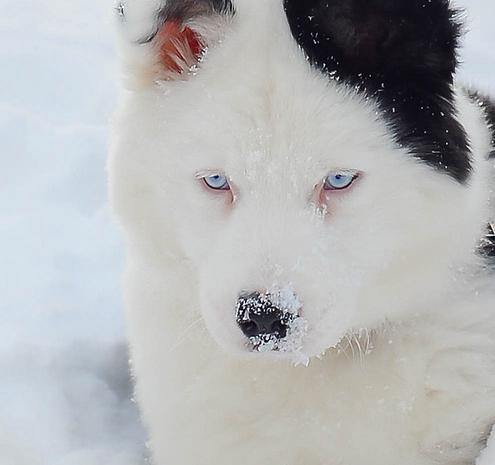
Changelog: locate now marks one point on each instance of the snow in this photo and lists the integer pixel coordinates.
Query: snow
(65, 393)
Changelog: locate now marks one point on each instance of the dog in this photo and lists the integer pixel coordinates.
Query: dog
(306, 194)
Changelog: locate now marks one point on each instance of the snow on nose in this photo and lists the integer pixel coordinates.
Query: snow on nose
(271, 320)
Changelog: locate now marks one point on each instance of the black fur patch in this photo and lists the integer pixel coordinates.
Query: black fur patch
(401, 53)
(184, 10)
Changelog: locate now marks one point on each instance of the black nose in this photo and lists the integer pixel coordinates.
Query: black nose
(256, 316)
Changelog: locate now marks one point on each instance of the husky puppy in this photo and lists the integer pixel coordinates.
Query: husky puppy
(305, 191)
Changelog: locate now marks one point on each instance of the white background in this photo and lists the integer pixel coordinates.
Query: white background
(64, 392)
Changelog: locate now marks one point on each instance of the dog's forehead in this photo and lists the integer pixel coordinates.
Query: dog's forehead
(301, 128)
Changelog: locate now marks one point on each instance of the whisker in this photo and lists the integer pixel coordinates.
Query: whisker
(368, 341)
(349, 340)
(358, 344)
(182, 338)
(343, 349)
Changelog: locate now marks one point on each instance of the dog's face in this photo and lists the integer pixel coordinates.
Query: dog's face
(317, 188)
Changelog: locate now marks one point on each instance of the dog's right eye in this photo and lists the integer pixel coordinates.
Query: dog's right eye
(339, 180)
(217, 182)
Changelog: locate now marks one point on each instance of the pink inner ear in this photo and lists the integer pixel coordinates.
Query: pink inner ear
(179, 46)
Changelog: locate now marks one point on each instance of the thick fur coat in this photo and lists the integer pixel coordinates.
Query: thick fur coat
(394, 360)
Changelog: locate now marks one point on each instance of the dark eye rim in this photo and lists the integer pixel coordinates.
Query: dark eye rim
(329, 187)
(224, 187)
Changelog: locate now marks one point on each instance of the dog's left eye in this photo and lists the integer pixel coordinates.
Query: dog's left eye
(339, 180)
(217, 182)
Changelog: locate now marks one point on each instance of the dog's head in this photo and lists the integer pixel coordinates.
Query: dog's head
(306, 158)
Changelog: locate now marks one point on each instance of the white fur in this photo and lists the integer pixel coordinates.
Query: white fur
(401, 333)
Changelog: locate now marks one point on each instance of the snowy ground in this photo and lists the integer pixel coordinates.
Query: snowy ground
(65, 397)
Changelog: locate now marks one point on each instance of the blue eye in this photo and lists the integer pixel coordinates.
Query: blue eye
(339, 180)
(217, 182)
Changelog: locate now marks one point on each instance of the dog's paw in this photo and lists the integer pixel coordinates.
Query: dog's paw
(167, 39)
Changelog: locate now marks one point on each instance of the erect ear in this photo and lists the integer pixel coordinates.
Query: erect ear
(386, 41)
(166, 40)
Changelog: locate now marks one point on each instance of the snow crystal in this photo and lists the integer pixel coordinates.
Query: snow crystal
(285, 299)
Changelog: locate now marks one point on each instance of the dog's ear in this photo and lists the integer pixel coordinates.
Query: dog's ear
(384, 41)
(166, 40)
